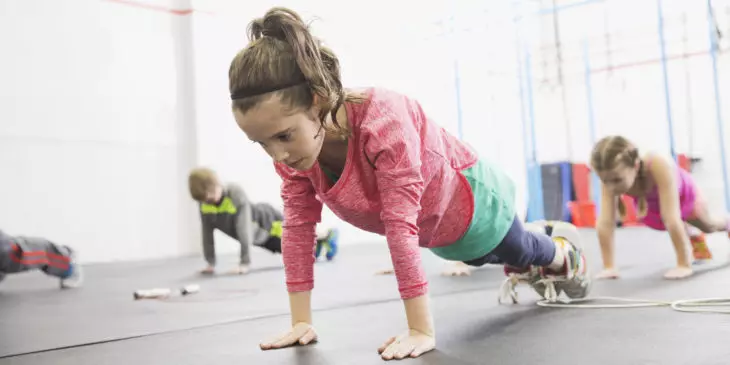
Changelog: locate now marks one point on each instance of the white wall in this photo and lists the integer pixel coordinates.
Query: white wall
(94, 138)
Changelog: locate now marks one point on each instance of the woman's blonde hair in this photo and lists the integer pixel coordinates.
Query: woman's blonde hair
(612, 151)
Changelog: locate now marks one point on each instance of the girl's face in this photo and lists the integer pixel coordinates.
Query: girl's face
(294, 139)
(620, 179)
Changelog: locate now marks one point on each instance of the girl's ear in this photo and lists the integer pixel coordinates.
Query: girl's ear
(316, 106)
(316, 100)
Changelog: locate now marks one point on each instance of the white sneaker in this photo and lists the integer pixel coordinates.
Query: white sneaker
(531, 276)
(573, 280)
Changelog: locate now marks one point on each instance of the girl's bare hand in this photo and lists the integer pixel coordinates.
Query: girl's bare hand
(411, 344)
(302, 333)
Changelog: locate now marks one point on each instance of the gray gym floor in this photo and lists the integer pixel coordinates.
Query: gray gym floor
(355, 311)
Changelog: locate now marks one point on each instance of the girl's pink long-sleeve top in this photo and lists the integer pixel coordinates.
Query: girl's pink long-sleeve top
(402, 179)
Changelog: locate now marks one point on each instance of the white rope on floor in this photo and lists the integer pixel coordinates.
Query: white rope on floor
(699, 305)
(552, 300)
(689, 305)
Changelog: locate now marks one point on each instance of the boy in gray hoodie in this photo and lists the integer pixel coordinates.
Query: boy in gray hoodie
(228, 209)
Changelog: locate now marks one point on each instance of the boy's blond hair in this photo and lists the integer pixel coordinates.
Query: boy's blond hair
(200, 181)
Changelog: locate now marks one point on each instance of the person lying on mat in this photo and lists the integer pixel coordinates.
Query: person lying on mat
(23, 253)
(379, 162)
(667, 199)
(228, 209)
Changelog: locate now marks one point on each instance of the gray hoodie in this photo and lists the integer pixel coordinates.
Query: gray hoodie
(238, 218)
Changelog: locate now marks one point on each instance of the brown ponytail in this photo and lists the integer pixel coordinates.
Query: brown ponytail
(283, 58)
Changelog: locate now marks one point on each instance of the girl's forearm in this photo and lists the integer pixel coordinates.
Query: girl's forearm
(605, 240)
(301, 307)
(680, 239)
(418, 314)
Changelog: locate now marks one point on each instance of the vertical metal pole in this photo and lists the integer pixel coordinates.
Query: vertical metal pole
(561, 82)
(688, 88)
(457, 85)
(718, 107)
(523, 118)
(589, 93)
(457, 79)
(667, 99)
(523, 105)
(534, 172)
(530, 105)
(595, 182)
(535, 204)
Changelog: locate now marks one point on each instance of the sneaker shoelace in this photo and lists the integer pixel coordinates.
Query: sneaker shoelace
(509, 285)
(508, 288)
(572, 263)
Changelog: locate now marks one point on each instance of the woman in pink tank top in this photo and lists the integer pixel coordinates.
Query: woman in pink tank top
(664, 194)
(687, 197)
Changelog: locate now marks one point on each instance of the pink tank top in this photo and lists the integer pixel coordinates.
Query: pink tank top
(686, 191)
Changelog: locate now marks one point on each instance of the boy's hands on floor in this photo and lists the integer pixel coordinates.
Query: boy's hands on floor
(210, 270)
(241, 270)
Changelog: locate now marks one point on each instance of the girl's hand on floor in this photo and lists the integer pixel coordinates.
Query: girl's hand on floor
(302, 333)
(608, 274)
(679, 272)
(411, 344)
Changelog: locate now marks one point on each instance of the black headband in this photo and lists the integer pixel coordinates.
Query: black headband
(248, 92)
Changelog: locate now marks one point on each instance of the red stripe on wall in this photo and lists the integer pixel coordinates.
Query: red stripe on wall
(159, 8)
(654, 61)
